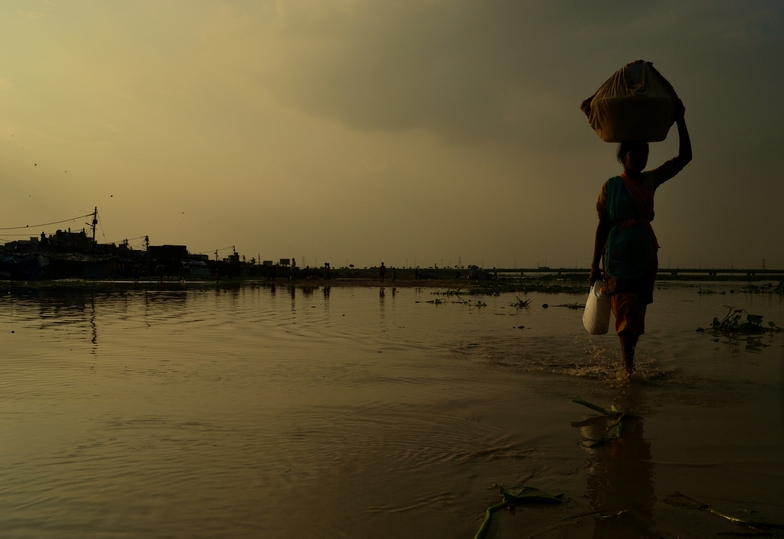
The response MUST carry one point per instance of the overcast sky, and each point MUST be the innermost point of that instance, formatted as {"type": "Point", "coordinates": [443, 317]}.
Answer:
{"type": "Point", "coordinates": [356, 131]}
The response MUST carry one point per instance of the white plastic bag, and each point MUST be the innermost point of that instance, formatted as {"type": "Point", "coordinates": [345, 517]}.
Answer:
{"type": "Point", "coordinates": [596, 318]}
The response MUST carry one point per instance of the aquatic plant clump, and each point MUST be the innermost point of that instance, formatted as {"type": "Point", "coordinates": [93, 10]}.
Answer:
{"type": "Point", "coordinates": [521, 304]}
{"type": "Point", "coordinates": [763, 289]}
{"type": "Point", "coordinates": [733, 323]}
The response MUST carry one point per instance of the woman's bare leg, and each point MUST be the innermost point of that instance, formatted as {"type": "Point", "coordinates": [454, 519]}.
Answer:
{"type": "Point", "coordinates": [628, 347]}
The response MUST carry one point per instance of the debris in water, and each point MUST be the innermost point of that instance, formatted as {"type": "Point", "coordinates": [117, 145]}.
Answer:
{"type": "Point", "coordinates": [515, 496]}
{"type": "Point", "coordinates": [573, 306]}
{"type": "Point", "coordinates": [681, 500]}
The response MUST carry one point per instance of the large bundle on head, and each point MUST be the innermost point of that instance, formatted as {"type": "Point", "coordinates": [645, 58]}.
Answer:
{"type": "Point", "coordinates": [636, 103]}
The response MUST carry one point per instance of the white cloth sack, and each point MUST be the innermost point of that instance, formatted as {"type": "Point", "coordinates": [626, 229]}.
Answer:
{"type": "Point", "coordinates": [636, 103]}
{"type": "Point", "coordinates": [596, 317]}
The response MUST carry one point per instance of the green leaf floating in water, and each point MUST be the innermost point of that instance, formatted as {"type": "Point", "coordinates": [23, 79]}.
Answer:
{"type": "Point", "coordinates": [612, 412]}
{"type": "Point", "coordinates": [514, 496]}
{"type": "Point", "coordinates": [531, 495]}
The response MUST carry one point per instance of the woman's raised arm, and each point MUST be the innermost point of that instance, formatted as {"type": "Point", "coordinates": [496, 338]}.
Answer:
{"type": "Point", "coordinates": [684, 148]}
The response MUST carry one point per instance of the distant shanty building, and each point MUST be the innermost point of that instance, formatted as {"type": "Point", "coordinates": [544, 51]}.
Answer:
{"type": "Point", "coordinates": [177, 261]}
{"type": "Point", "coordinates": [165, 252]}
{"type": "Point", "coordinates": [62, 241]}
{"type": "Point", "coordinates": [66, 254]}
{"type": "Point", "coordinates": [75, 254]}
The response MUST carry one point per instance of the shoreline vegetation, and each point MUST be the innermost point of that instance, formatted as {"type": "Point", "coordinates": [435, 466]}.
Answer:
{"type": "Point", "coordinates": [444, 281]}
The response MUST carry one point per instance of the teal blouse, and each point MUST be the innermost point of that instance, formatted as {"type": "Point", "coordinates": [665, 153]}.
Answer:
{"type": "Point", "coordinates": [630, 251]}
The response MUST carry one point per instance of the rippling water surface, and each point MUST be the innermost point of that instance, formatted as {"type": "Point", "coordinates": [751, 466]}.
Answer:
{"type": "Point", "coordinates": [305, 412]}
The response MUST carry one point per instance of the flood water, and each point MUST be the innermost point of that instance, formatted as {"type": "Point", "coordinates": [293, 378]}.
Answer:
{"type": "Point", "coordinates": [304, 412]}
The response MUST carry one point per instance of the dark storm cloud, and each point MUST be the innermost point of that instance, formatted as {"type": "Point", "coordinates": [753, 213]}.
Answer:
{"type": "Point", "coordinates": [414, 118]}
{"type": "Point", "coordinates": [499, 70]}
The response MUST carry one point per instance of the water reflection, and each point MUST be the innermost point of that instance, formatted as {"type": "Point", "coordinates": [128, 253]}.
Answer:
{"type": "Point", "coordinates": [620, 482]}
{"type": "Point", "coordinates": [94, 327]}
{"type": "Point", "coordinates": [326, 291]}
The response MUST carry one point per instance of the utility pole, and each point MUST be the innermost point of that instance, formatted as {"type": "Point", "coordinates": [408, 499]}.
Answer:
{"type": "Point", "coordinates": [95, 222]}
{"type": "Point", "coordinates": [147, 249]}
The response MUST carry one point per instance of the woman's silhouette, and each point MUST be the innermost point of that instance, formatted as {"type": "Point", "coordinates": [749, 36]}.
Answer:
{"type": "Point", "coordinates": [625, 237]}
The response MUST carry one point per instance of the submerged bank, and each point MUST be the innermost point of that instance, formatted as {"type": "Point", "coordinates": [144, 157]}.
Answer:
{"type": "Point", "coordinates": [569, 284]}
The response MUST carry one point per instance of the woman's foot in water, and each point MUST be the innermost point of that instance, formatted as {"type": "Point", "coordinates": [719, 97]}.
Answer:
{"type": "Point", "coordinates": [628, 347]}
{"type": "Point", "coordinates": [627, 366]}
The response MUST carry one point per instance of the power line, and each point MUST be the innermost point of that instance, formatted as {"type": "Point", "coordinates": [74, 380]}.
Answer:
{"type": "Point", "coordinates": [127, 239]}
{"type": "Point", "coordinates": [100, 223]}
{"type": "Point", "coordinates": [19, 235]}
{"type": "Point", "coordinates": [46, 224]}
{"type": "Point", "coordinates": [214, 250]}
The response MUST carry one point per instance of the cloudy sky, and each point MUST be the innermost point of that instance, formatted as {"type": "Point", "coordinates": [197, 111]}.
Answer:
{"type": "Point", "coordinates": [355, 131]}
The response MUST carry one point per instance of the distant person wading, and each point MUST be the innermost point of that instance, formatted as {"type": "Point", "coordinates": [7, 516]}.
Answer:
{"type": "Point", "coordinates": [625, 237]}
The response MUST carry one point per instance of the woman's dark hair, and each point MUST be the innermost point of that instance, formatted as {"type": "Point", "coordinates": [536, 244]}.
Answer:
{"type": "Point", "coordinates": [629, 145]}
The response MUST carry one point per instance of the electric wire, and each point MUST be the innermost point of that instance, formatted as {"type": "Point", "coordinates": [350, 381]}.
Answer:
{"type": "Point", "coordinates": [46, 224]}
{"type": "Point", "coordinates": [100, 223]}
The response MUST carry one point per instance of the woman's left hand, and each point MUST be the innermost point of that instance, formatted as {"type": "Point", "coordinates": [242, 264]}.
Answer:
{"type": "Point", "coordinates": [596, 275]}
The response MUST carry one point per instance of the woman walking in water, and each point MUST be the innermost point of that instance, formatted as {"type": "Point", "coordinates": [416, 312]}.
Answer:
{"type": "Point", "coordinates": [625, 237]}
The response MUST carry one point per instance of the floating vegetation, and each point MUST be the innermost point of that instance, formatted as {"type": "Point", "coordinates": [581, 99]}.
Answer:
{"type": "Point", "coordinates": [438, 301]}
{"type": "Point", "coordinates": [515, 496]}
{"type": "Point", "coordinates": [497, 289]}
{"type": "Point", "coordinates": [613, 411]}
{"type": "Point", "coordinates": [520, 304]}
{"type": "Point", "coordinates": [733, 323]}
{"type": "Point", "coordinates": [681, 500]}
{"type": "Point", "coordinates": [614, 430]}
{"type": "Point", "coordinates": [449, 292]}
{"type": "Point", "coordinates": [706, 291]}
{"type": "Point", "coordinates": [573, 306]}
{"type": "Point", "coordinates": [763, 289]}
